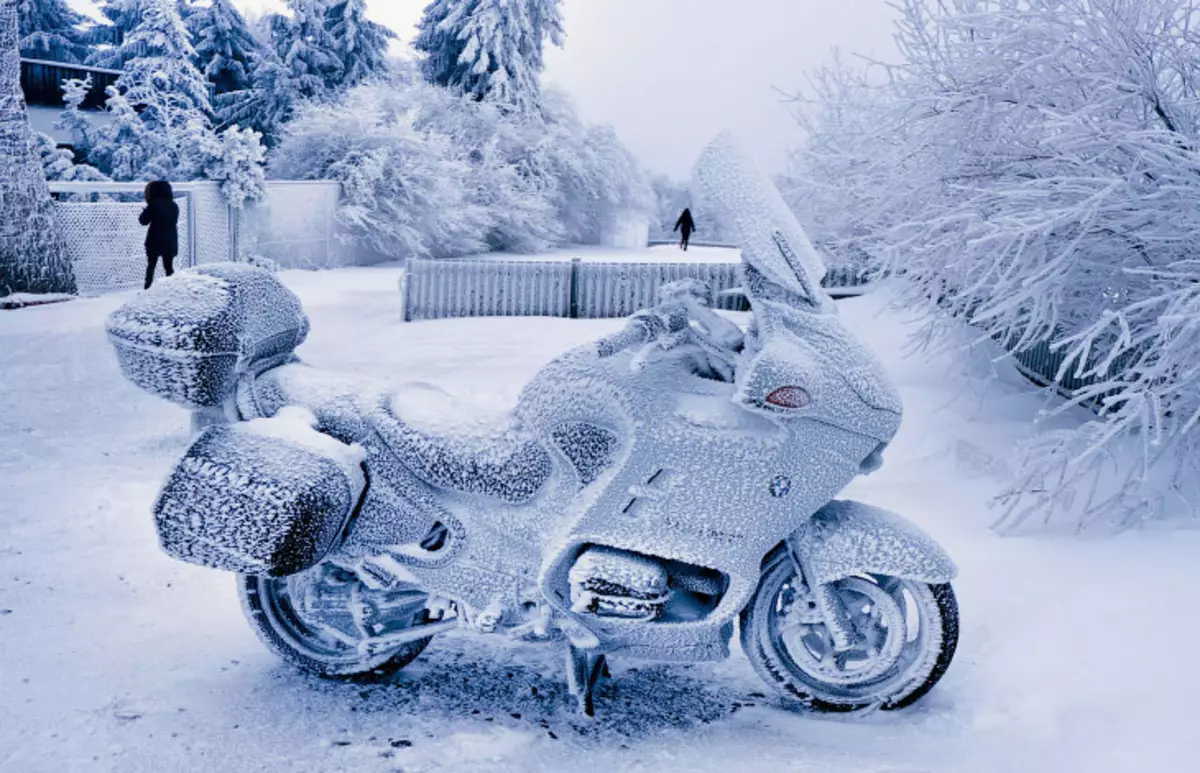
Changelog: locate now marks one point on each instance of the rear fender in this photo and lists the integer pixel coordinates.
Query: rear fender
(845, 538)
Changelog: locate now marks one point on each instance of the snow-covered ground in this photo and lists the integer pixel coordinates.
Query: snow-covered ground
(1076, 655)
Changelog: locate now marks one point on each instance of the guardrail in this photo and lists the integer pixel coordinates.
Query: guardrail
(439, 289)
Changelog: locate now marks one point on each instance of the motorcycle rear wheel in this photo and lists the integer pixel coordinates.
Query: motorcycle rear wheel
(325, 645)
(906, 633)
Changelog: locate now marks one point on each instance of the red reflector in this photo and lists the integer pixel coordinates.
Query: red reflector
(789, 397)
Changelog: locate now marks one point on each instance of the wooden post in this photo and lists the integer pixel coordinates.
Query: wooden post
(573, 308)
(405, 285)
(192, 226)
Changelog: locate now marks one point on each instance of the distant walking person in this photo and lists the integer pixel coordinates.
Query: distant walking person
(162, 238)
(685, 225)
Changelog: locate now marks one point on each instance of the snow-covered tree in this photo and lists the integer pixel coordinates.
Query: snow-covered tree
(33, 257)
(58, 163)
(299, 64)
(225, 47)
(360, 44)
(489, 49)
(50, 29)
(306, 48)
(1032, 167)
(121, 17)
(73, 119)
(159, 103)
(267, 104)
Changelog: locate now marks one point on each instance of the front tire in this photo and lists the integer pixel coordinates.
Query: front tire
(906, 633)
(307, 620)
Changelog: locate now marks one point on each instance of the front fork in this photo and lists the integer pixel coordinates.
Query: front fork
(826, 602)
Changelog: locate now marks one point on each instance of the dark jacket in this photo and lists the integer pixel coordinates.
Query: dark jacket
(685, 222)
(162, 238)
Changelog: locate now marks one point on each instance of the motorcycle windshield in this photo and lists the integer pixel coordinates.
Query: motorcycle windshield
(772, 241)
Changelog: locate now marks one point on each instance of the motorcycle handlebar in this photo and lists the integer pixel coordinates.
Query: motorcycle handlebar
(632, 334)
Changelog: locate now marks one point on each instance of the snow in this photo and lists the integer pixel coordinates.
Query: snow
(21, 300)
(1074, 654)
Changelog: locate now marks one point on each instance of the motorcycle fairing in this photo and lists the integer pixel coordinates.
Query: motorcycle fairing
(846, 538)
(682, 489)
(746, 199)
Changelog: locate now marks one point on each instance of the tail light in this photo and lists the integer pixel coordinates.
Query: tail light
(789, 397)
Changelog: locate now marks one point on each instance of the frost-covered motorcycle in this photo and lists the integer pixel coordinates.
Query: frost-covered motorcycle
(649, 490)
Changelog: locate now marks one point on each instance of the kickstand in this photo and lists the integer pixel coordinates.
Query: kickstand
(584, 669)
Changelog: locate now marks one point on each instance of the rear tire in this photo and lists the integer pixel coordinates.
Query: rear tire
(326, 647)
(788, 652)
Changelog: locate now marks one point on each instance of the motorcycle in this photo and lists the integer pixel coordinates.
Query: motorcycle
(651, 490)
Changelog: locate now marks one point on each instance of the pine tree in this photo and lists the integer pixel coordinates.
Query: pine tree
(545, 20)
(225, 47)
(299, 65)
(159, 101)
(360, 44)
(441, 45)
(489, 49)
(33, 257)
(266, 105)
(122, 17)
(51, 30)
(305, 47)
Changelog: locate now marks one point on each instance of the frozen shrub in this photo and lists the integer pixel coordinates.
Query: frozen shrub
(1032, 167)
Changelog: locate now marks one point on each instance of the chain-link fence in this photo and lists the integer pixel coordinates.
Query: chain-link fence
(293, 226)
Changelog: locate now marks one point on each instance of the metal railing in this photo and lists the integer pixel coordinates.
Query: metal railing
(438, 289)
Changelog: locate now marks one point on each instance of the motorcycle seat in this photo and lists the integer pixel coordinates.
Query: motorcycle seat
(504, 464)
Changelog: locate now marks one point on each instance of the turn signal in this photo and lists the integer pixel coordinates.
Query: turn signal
(789, 397)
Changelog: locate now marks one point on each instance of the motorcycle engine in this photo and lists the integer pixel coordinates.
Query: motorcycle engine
(616, 583)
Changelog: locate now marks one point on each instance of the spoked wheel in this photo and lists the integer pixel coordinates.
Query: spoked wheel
(315, 621)
(905, 633)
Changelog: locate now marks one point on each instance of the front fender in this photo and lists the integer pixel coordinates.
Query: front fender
(844, 538)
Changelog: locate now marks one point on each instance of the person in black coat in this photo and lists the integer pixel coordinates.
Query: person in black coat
(685, 225)
(162, 237)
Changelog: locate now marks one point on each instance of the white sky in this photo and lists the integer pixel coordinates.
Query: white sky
(670, 74)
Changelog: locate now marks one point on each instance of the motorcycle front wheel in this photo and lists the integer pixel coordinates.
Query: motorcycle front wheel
(308, 620)
(905, 633)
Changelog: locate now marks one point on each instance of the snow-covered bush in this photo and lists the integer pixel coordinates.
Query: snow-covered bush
(1032, 166)
(59, 165)
(404, 190)
(597, 177)
(429, 172)
(505, 178)
(235, 158)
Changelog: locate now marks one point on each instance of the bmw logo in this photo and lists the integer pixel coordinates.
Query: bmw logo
(781, 485)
